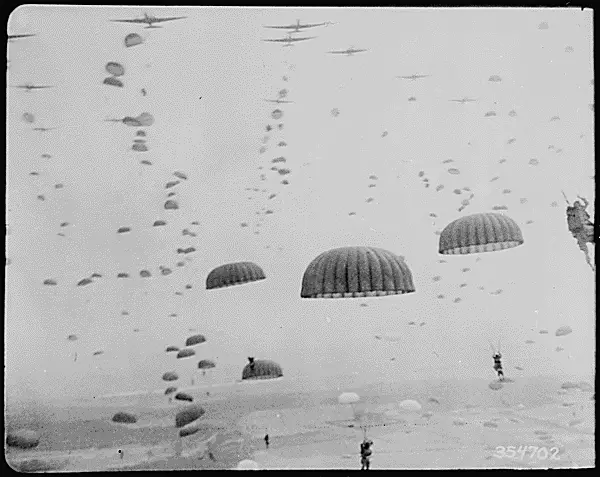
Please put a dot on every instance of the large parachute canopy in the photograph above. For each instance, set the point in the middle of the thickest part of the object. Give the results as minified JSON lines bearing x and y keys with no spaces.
{"x":171,"y":348}
{"x":146,"y":119}
{"x":115,"y":69}
{"x":133,"y":39}
{"x":188,"y":415}
{"x":170,"y":390}
{"x":171,"y":205}
{"x":23,"y":439}
{"x":234,"y":274}
{"x":189,"y":430}
{"x":410,"y":405}
{"x":350,"y":272}
{"x":563,"y":331}
{"x":124,"y":418}
{"x":139,"y":147}
{"x":348,"y":398}
{"x":261,"y":369}
{"x":247,"y":464}
{"x":477,"y":233}
{"x":184,"y":397}
{"x":194,"y":340}
{"x":72,"y":337}
{"x":158,"y":223}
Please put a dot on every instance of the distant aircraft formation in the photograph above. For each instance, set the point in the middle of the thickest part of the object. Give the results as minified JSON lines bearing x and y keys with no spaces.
{"x":290,"y":39}
{"x":297,"y":27}
{"x":149,"y":20}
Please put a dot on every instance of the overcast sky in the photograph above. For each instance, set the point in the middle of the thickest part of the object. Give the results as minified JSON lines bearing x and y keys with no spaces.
{"x":217,"y":54}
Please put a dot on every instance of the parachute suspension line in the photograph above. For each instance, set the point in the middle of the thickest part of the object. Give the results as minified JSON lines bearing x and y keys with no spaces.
{"x":564,"y":195}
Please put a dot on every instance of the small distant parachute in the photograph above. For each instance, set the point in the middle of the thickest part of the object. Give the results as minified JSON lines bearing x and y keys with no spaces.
{"x":457,"y":300}
{"x":495,"y":79}
{"x":165,"y":271}
{"x":261,"y":369}
{"x":543,"y":26}
{"x":543,"y":332}
{"x":533,"y":162}
{"x":170,"y":184}
{"x":194,"y":340}
{"x":495,"y":178}
{"x":189,"y":430}
{"x":123,"y":230}
{"x":158,"y":223}
{"x":170,"y":376}
{"x":457,"y":191}
{"x":529,"y":342}
{"x":495,"y":385}
{"x":145,"y":119}
{"x":180,"y":175}
{"x":490,"y":114}
{"x":171,"y":348}
{"x":97,"y":353}
{"x":563,"y":331}
{"x":185,"y":353}
{"x":284,"y":171}
{"x":453,"y":171}
{"x":133,"y":39}
{"x":569,"y":49}
{"x":555,"y":118}
{"x":506,"y":191}
{"x":384,"y":134}
{"x":28,"y":117}
{"x":479,"y":233}
{"x":247,"y":464}
{"x":58,"y":186}
{"x":499,"y":207}
{"x":145,"y":274}
{"x":183,"y":397}
{"x":171,"y":205}
{"x":437,"y":278}
{"x":410,"y":405}
{"x":278,"y":159}
{"x":85,"y":281}
{"x":234,"y":274}
{"x":188,"y":415}
{"x":206,"y":364}
{"x":412,"y":98}
{"x":285,"y":182}
{"x":277,"y":114}
{"x":112,"y":81}
{"x":72,"y":337}
{"x":49,"y":281}
{"x":115,"y":69}
{"x":421,"y":173}
{"x":439,"y":188}
{"x":335,"y":112}
{"x":140,"y":133}
{"x":440,"y":297}
{"x":123,"y":275}
{"x":124,"y":418}
{"x":170,"y":390}
{"x":139,"y":147}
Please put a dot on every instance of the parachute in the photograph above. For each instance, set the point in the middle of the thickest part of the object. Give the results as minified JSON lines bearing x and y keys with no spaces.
{"x":490,"y":114}
{"x":140,"y":133}
{"x":123,"y":230}
{"x":23,"y":439}
{"x":139,"y":147}
{"x":194,"y":340}
{"x":412,"y":98}
{"x":278,"y":159}
{"x":124,"y":418}
{"x":410,"y":405}
{"x":97,"y":353}
{"x":185,"y":353}
{"x":146,"y":119}
{"x":495,"y":79}
{"x":234,"y":274}
{"x":171,"y":348}
{"x":499,"y":207}
{"x":563,"y":331}
{"x":261,"y":369}
{"x":184,"y":397}
{"x":439,"y":188}
{"x":123,"y":275}
{"x":206,"y":364}
{"x":145,"y":274}
{"x":170,"y":376}
{"x":170,"y":184}
{"x":189,"y":430}
{"x":49,"y":281}
{"x":277,"y":114}
{"x":534,"y":162}
{"x":284,"y":171}
{"x":348,"y":398}
{"x":350,"y":272}
{"x":512,"y":113}
{"x":28,"y":117}
{"x":158,"y":223}
{"x":147,"y":163}
{"x":133,"y":39}
{"x":84,"y":282}
{"x":247,"y":464}
{"x":453,"y":171}
{"x":139,"y":141}
{"x":477,"y":233}
{"x":72,"y":337}
{"x":188,"y":415}
{"x":112,"y":81}
{"x":115,"y":69}
{"x":171,"y":205}
{"x":170,"y":390}
{"x":495,"y":385}
{"x":165,"y":271}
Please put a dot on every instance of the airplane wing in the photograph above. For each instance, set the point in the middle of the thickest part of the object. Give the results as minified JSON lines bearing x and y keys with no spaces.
{"x":135,"y":20}
{"x":167,"y":19}
{"x":279,"y":39}
{"x":301,"y":39}
{"x":284,"y":27}
{"x":338,"y":52}
{"x":278,"y":101}
{"x":358,"y":51}
{"x":310,"y":25}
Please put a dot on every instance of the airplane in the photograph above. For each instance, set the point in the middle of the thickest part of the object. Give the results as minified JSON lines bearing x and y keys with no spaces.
{"x":295,"y":28}
{"x":289,"y":40}
{"x":43,"y":129}
{"x":17,"y":37}
{"x":413,"y":77}
{"x":149,"y":19}
{"x":278,"y":101}
{"x":350,"y":51}
{"x":30,"y":87}
{"x":463,"y":100}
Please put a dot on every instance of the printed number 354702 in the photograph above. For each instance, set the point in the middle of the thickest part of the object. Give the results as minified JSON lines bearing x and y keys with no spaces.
{"x":530,"y":452}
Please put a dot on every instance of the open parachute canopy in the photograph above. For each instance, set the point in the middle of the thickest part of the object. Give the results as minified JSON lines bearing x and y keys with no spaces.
{"x":188,"y":415}
{"x":189,"y":430}
{"x":115,"y":69}
{"x":170,"y":390}
{"x":350,"y":272}
{"x":124,"y":418}
{"x":477,"y":233}
{"x":112,"y":81}
{"x":170,"y":376}
{"x":23,"y":439}
{"x":138,"y":147}
{"x":184,"y":397}
{"x":146,"y":119}
{"x":234,"y":274}
{"x":261,"y":369}
{"x":194,"y":340}
{"x":171,"y":348}
{"x":133,"y":39}
{"x":348,"y":398}
{"x":206,"y":364}
{"x":185,"y":353}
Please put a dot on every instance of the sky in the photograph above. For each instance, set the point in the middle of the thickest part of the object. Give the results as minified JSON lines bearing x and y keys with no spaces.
{"x":206,"y":79}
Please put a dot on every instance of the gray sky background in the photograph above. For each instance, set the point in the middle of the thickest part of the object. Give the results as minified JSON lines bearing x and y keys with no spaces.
{"x":216,"y":53}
